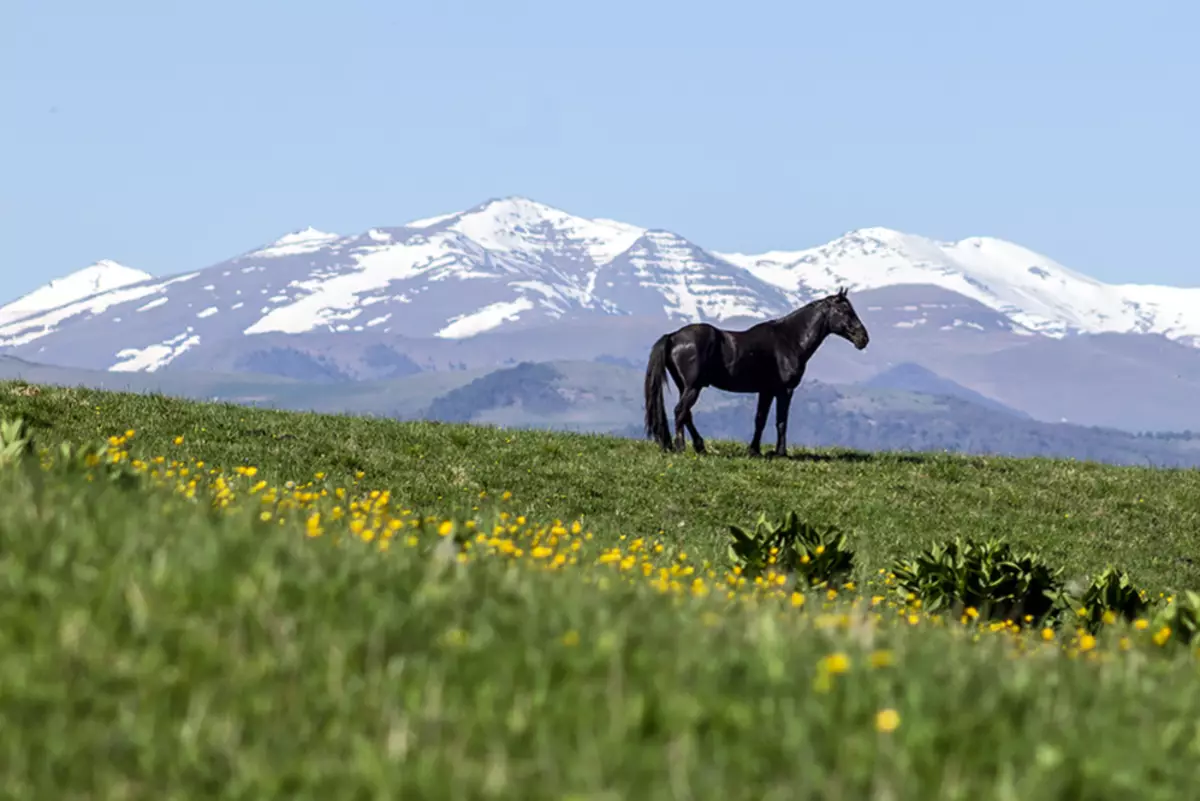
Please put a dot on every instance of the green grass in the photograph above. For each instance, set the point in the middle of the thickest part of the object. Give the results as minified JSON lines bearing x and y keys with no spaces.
{"x":152,"y":649}
{"x":1080,"y":515}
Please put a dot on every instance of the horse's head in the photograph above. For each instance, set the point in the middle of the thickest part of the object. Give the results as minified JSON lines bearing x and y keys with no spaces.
{"x":843,"y":320}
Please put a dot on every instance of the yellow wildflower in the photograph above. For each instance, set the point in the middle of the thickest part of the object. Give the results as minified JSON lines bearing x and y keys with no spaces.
{"x":887,"y":721}
{"x":835,"y":663}
{"x":881,"y":659}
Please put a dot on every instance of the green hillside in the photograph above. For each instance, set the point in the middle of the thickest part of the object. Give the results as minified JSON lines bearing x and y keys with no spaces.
{"x":266,"y":603}
{"x":1081,"y":514}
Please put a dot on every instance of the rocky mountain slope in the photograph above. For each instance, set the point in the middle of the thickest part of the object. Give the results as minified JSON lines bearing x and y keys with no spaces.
{"x":101,"y":277}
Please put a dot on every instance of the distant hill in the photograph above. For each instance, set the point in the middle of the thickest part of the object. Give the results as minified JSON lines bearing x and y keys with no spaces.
{"x":606,"y":397}
{"x":912,"y":377}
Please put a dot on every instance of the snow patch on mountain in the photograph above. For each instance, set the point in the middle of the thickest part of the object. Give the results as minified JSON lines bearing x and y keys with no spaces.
{"x":1032,"y":290}
{"x":485,"y":319}
{"x":307,"y":240}
{"x":27,"y":329}
{"x":516,"y":224}
{"x":102,"y":276}
{"x":666,"y":274}
{"x":431,"y":221}
{"x":325,"y":302}
{"x":154,"y":357}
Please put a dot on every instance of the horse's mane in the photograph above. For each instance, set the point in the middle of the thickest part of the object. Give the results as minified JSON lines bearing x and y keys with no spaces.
{"x":808,"y":308}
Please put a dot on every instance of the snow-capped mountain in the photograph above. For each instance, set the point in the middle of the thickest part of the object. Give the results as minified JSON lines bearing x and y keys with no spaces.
{"x":513,"y":265}
{"x":100,"y":277}
{"x":503,"y":265}
{"x":1030,"y":289}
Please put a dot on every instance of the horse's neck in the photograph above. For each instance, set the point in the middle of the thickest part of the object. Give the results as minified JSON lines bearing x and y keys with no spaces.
{"x":806,"y":328}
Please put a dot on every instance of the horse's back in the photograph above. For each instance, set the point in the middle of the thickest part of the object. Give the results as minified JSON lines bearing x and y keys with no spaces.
{"x":701,"y":336}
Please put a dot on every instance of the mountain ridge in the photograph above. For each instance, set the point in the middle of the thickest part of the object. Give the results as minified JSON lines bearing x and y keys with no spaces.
{"x":101,"y":276}
{"x":545,"y":261}
{"x":511,"y":280}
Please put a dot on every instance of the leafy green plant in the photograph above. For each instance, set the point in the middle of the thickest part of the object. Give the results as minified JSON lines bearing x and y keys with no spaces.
{"x":1110,"y":596}
{"x":14,"y":441}
{"x":819,"y":556}
{"x":93,"y":457}
{"x":18,"y":445}
{"x":998,"y":582}
{"x":1181,"y":616}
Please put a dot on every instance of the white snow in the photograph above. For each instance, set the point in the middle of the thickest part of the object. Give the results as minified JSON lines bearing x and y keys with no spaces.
{"x":555,"y":264}
{"x":485,"y":319}
{"x":308,"y":240}
{"x":153,"y":357}
{"x":518,"y":224}
{"x":549,"y":291}
{"x":692,"y":291}
{"x":961,"y":324}
{"x":338,"y":298}
{"x":431,"y":221}
{"x":36,"y":326}
{"x":1031,"y":289}
{"x":99,"y":277}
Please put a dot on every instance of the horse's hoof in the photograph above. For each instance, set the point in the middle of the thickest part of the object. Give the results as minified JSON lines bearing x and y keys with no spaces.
{"x":755,"y":453}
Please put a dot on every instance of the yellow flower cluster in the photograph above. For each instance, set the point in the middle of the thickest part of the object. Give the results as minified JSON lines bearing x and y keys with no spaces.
{"x":496,"y":531}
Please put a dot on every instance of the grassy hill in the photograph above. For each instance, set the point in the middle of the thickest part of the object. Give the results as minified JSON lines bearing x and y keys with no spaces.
{"x":606,"y":397}
{"x":206,"y":635}
{"x":1082,"y":513}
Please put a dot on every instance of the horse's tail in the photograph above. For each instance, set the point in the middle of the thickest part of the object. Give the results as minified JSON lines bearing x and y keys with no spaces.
{"x":657,"y":427}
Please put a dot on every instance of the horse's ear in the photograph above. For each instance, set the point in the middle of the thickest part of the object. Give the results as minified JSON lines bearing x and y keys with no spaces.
{"x":842,"y":292}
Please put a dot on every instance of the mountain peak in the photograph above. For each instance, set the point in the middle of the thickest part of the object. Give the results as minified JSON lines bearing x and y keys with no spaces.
{"x":875,"y":232}
{"x":102,"y":276}
{"x":305,"y":240}
{"x":515,"y":223}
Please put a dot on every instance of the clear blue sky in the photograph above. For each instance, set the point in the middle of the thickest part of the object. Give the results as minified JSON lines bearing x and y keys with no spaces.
{"x":169,"y":136}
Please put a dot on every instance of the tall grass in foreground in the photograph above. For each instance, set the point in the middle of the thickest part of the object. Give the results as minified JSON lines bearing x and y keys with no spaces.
{"x":152,"y":647}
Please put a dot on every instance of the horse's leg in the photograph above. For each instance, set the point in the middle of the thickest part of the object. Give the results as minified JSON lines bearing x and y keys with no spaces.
{"x":677,"y":377}
{"x":783,"y":402}
{"x":683,"y":416}
{"x":697,"y":440}
{"x":760,"y":421}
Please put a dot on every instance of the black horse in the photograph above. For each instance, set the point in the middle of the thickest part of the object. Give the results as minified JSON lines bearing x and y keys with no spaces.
{"x":768,"y":358}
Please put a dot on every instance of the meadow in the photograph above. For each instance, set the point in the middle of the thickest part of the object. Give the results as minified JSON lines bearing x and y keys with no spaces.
{"x":206,"y":598}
